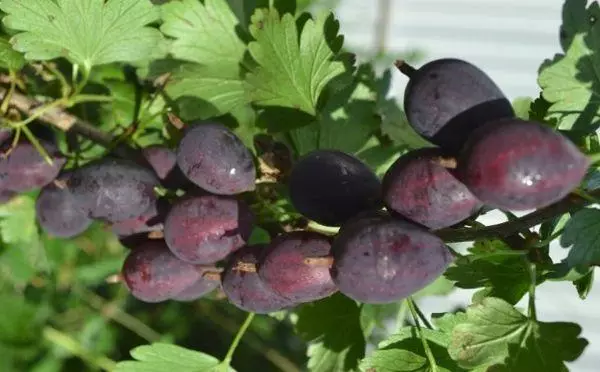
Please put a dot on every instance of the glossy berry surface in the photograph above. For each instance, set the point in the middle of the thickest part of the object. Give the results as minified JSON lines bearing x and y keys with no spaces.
{"x":153,"y":274}
{"x":245,"y":289}
{"x":57,"y":212}
{"x":151,"y":220}
{"x":378,"y":259}
{"x":514,"y":164}
{"x":284,"y":270}
{"x":113,"y":190}
{"x":162,"y":159}
{"x":330,"y":187}
{"x":446,"y":99}
{"x":205,"y":229}
{"x":22,"y":168}
{"x":215,"y":159}
{"x":198,"y":289}
{"x":419,"y":187}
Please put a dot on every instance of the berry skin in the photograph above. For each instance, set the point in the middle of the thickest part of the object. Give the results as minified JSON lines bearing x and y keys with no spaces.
{"x":198,"y":289}
{"x":283,"y":267}
{"x":245,"y":289}
{"x":151,"y":220}
{"x":205,"y":229}
{"x":162,"y":159}
{"x":24,"y":169}
{"x":378,"y":259}
{"x":330,"y":187}
{"x":113,"y":190}
{"x":446,"y":99}
{"x":57,"y":212}
{"x":419,"y":187}
{"x":153,"y":274}
{"x":514,"y":164}
{"x":214,"y":158}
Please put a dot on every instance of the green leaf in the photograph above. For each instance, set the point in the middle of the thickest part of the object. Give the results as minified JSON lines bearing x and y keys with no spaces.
{"x":446,"y":322}
{"x":87,"y":32}
{"x":259,"y":236}
{"x":521,"y":106}
{"x":581,"y":235}
{"x":374,"y":317}
{"x":570,"y":82}
{"x":160,"y":357}
{"x":483,"y":338}
{"x":584,"y":284}
{"x":395,"y":125}
{"x":294,"y":66}
{"x":10,"y":58}
{"x":204,"y":91}
{"x":18,"y":323}
{"x":378,"y":156}
{"x":351,"y":110}
{"x":494,"y":266}
{"x":494,"y":332}
{"x":17,"y":220}
{"x":332,"y":326}
{"x":397,"y":360}
{"x":404,"y":352}
{"x":203,"y":33}
{"x":550,"y":345}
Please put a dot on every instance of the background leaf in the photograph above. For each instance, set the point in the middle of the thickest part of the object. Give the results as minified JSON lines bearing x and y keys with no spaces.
{"x":332,"y":326}
{"x":285,"y":76}
{"x":581,"y":235}
{"x":164,"y":357}
{"x":87,"y":32}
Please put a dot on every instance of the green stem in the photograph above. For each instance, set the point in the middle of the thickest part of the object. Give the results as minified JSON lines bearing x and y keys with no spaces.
{"x":234,"y":344}
{"x":40,"y":112}
{"x":11,"y":90}
{"x":65,"y":87}
{"x":38,"y":146}
{"x":327,"y":230}
{"x":74,"y":347}
{"x":428,"y":353}
{"x":84,"y":80}
{"x":112,"y":311}
{"x":142,"y":125}
{"x":80,"y":98}
{"x":545,"y":242}
{"x":532,"y":285}
{"x":569,"y":204}
{"x":422,"y":316}
{"x":401,"y":317}
{"x":594,"y":158}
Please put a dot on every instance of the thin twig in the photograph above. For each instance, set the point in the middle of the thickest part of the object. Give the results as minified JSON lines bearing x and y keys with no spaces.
{"x":68,"y":122}
{"x":570,"y":204}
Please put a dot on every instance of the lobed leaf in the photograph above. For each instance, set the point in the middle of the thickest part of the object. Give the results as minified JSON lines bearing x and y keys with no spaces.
{"x":87,"y":32}
{"x":294,"y":65}
{"x":332,"y":326}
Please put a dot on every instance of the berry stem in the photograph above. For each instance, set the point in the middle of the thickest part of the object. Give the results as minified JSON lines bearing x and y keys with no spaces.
{"x":238,"y":337}
{"x":449,"y":163}
{"x":246,"y":267}
{"x":212,"y":275}
{"x":158,"y":234}
{"x":428,"y":353}
{"x":319,"y":261}
{"x":532,"y":286}
{"x":570,"y":204}
{"x":405,"y":68}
